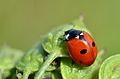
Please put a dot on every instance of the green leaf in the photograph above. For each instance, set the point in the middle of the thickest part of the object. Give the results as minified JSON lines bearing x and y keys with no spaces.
{"x":8,"y":60}
{"x":52,"y":42}
{"x":110,"y":68}
{"x":30,"y":62}
{"x":75,"y":71}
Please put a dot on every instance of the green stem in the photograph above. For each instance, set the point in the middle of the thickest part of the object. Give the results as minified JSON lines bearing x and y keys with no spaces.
{"x":110,"y":69}
{"x":45,"y":65}
{"x":26,"y":74}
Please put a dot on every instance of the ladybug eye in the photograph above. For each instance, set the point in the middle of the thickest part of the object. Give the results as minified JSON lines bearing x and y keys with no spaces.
{"x":83,"y":51}
{"x":93,"y":44}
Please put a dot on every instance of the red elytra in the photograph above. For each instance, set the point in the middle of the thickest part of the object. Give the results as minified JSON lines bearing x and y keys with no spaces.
{"x":82,"y":51}
{"x":91,"y":42}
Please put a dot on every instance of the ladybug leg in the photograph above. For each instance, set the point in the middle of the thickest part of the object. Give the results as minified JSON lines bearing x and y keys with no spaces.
{"x":73,"y":62}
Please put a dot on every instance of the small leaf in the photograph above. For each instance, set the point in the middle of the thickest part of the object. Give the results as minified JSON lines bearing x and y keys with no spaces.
{"x":30,"y":62}
{"x":8,"y":60}
{"x":110,"y":68}
{"x":52,"y":42}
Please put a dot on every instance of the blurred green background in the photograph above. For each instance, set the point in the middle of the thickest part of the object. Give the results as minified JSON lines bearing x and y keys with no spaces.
{"x":24,"y":22}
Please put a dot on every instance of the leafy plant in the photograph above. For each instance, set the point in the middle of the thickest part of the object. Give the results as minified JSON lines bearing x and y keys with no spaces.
{"x":49,"y":59}
{"x":53,"y":48}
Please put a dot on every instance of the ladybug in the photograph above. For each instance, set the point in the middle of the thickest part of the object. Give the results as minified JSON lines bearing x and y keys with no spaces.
{"x":81,"y":46}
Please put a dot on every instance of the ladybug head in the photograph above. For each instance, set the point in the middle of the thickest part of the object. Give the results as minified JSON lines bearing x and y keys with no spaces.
{"x":72,"y":33}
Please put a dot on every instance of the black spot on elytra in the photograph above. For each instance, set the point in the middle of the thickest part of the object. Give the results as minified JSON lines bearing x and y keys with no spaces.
{"x":93,"y":44}
{"x":80,"y":62}
{"x":83,"y":51}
